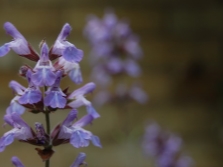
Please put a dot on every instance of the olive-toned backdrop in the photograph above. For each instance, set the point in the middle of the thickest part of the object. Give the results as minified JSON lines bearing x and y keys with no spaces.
{"x":182,"y":73}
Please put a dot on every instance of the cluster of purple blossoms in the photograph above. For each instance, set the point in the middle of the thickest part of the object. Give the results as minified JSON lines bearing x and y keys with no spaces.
{"x":164,"y":147}
{"x":44,"y":95}
{"x":115,"y":52}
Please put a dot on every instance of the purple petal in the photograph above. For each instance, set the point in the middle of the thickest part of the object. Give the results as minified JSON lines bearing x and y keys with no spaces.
{"x":30,"y":97}
{"x":79,"y":160}
{"x":8,"y":119}
{"x":70,"y":118}
{"x":92,"y":112}
{"x":80,"y":138}
{"x":19,"y":121}
{"x":6,"y":140}
{"x":72,"y":54}
{"x":96,"y":141}
{"x":114,"y":65}
{"x":87,"y":119}
{"x":44,"y":53}
{"x":87,"y":88}
{"x":17,"y":88}
{"x":138,"y":94}
{"x":16,"y":161}
{"x":65,"y":32}
{"x":12,"y":31}
{"x":55,"y":99}
{"x":43,"y":77}
{"x":4,"y":49}
{"x":132,"y":68}
{"x":75,"y":75}
{"x":15,"y":108}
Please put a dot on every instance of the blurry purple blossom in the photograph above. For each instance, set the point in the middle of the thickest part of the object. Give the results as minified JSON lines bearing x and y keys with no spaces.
{"x":114,"y":55}
{"x":164,"y":147}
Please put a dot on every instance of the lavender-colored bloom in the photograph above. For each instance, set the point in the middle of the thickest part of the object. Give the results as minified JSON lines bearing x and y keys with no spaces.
{"x":114,"y":53}
{"x":15,"y":107}
{"x":164,"y":147}
{"x":138,"y":94}
{"x":16,"y":162}
{"x":55,"y":98}
{"x":132,"y":68}
{"x":19,"y":44}
{"x":79,"y":160}
{"x":77,"y":136}
{"x":20,"y":131}
{"x":79,"y":100}
{"x":32,"y":94}
{"x":44,"y":70}
{"x":71,"y":68}
{"x":64,"y":48}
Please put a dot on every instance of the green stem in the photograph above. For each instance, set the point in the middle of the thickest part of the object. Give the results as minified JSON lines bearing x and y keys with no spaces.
{"x":47,"y":164}
{"x":47,"y":117}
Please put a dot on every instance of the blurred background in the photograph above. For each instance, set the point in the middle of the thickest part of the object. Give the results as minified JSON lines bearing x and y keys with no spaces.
{"x":182,"y":74}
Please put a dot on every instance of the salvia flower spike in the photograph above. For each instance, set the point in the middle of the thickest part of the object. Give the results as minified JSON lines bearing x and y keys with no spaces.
{"x":43,"y":94}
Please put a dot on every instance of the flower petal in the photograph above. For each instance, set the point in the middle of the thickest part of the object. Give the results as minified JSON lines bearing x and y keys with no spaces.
{"x":30,"y":97}
{"x":4,"y":49}
{"x":75,"y":75}
{"x":16,"y":161}
{"x":96,"y":141}
{"x":92,"y":112}
{"x":87,"y":88}
{"x":72,"y":54}
{"x":43,"y":77}
{"x":55,"y":99}
{"x":87,"y":119}
{"x":79,"y":160}
{"x":80,"y":138}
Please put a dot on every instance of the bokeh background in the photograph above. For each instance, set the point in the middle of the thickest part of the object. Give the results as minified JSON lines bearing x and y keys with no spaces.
{"x":182,"y":74}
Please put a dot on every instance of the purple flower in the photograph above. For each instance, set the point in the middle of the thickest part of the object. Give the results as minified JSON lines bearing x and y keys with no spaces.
{"x":32,"y":94}
{"x":164,"y":147}
{"x":79,"y":100}
{"x":64,"y":48}
{"x":16,"y":162}
{"x":71,"y":68}
{"x":44,"y":70}
{"x":19,"y":45}
{"x":20,"y":131}
{"x":74,"y":133}
{"x":55,"y":98}
{"x":79,"y":160}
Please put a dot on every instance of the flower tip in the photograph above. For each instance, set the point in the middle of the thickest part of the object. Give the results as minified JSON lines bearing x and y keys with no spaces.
{"x":8,"y":25}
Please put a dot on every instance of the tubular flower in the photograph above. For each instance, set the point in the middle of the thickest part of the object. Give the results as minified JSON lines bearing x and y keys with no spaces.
{"x":44,"y":70}
{"x":55,"y":98}
{"x":20,"y":131}
{"x":79,"y":100}
{"x":74,"y":133}
{"x":19,"y":44}
{"x":70,"y":55}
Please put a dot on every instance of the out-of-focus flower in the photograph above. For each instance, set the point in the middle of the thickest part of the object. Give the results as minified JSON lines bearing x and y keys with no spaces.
{"x":114,"y":55}
{"x":164,"y":147}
